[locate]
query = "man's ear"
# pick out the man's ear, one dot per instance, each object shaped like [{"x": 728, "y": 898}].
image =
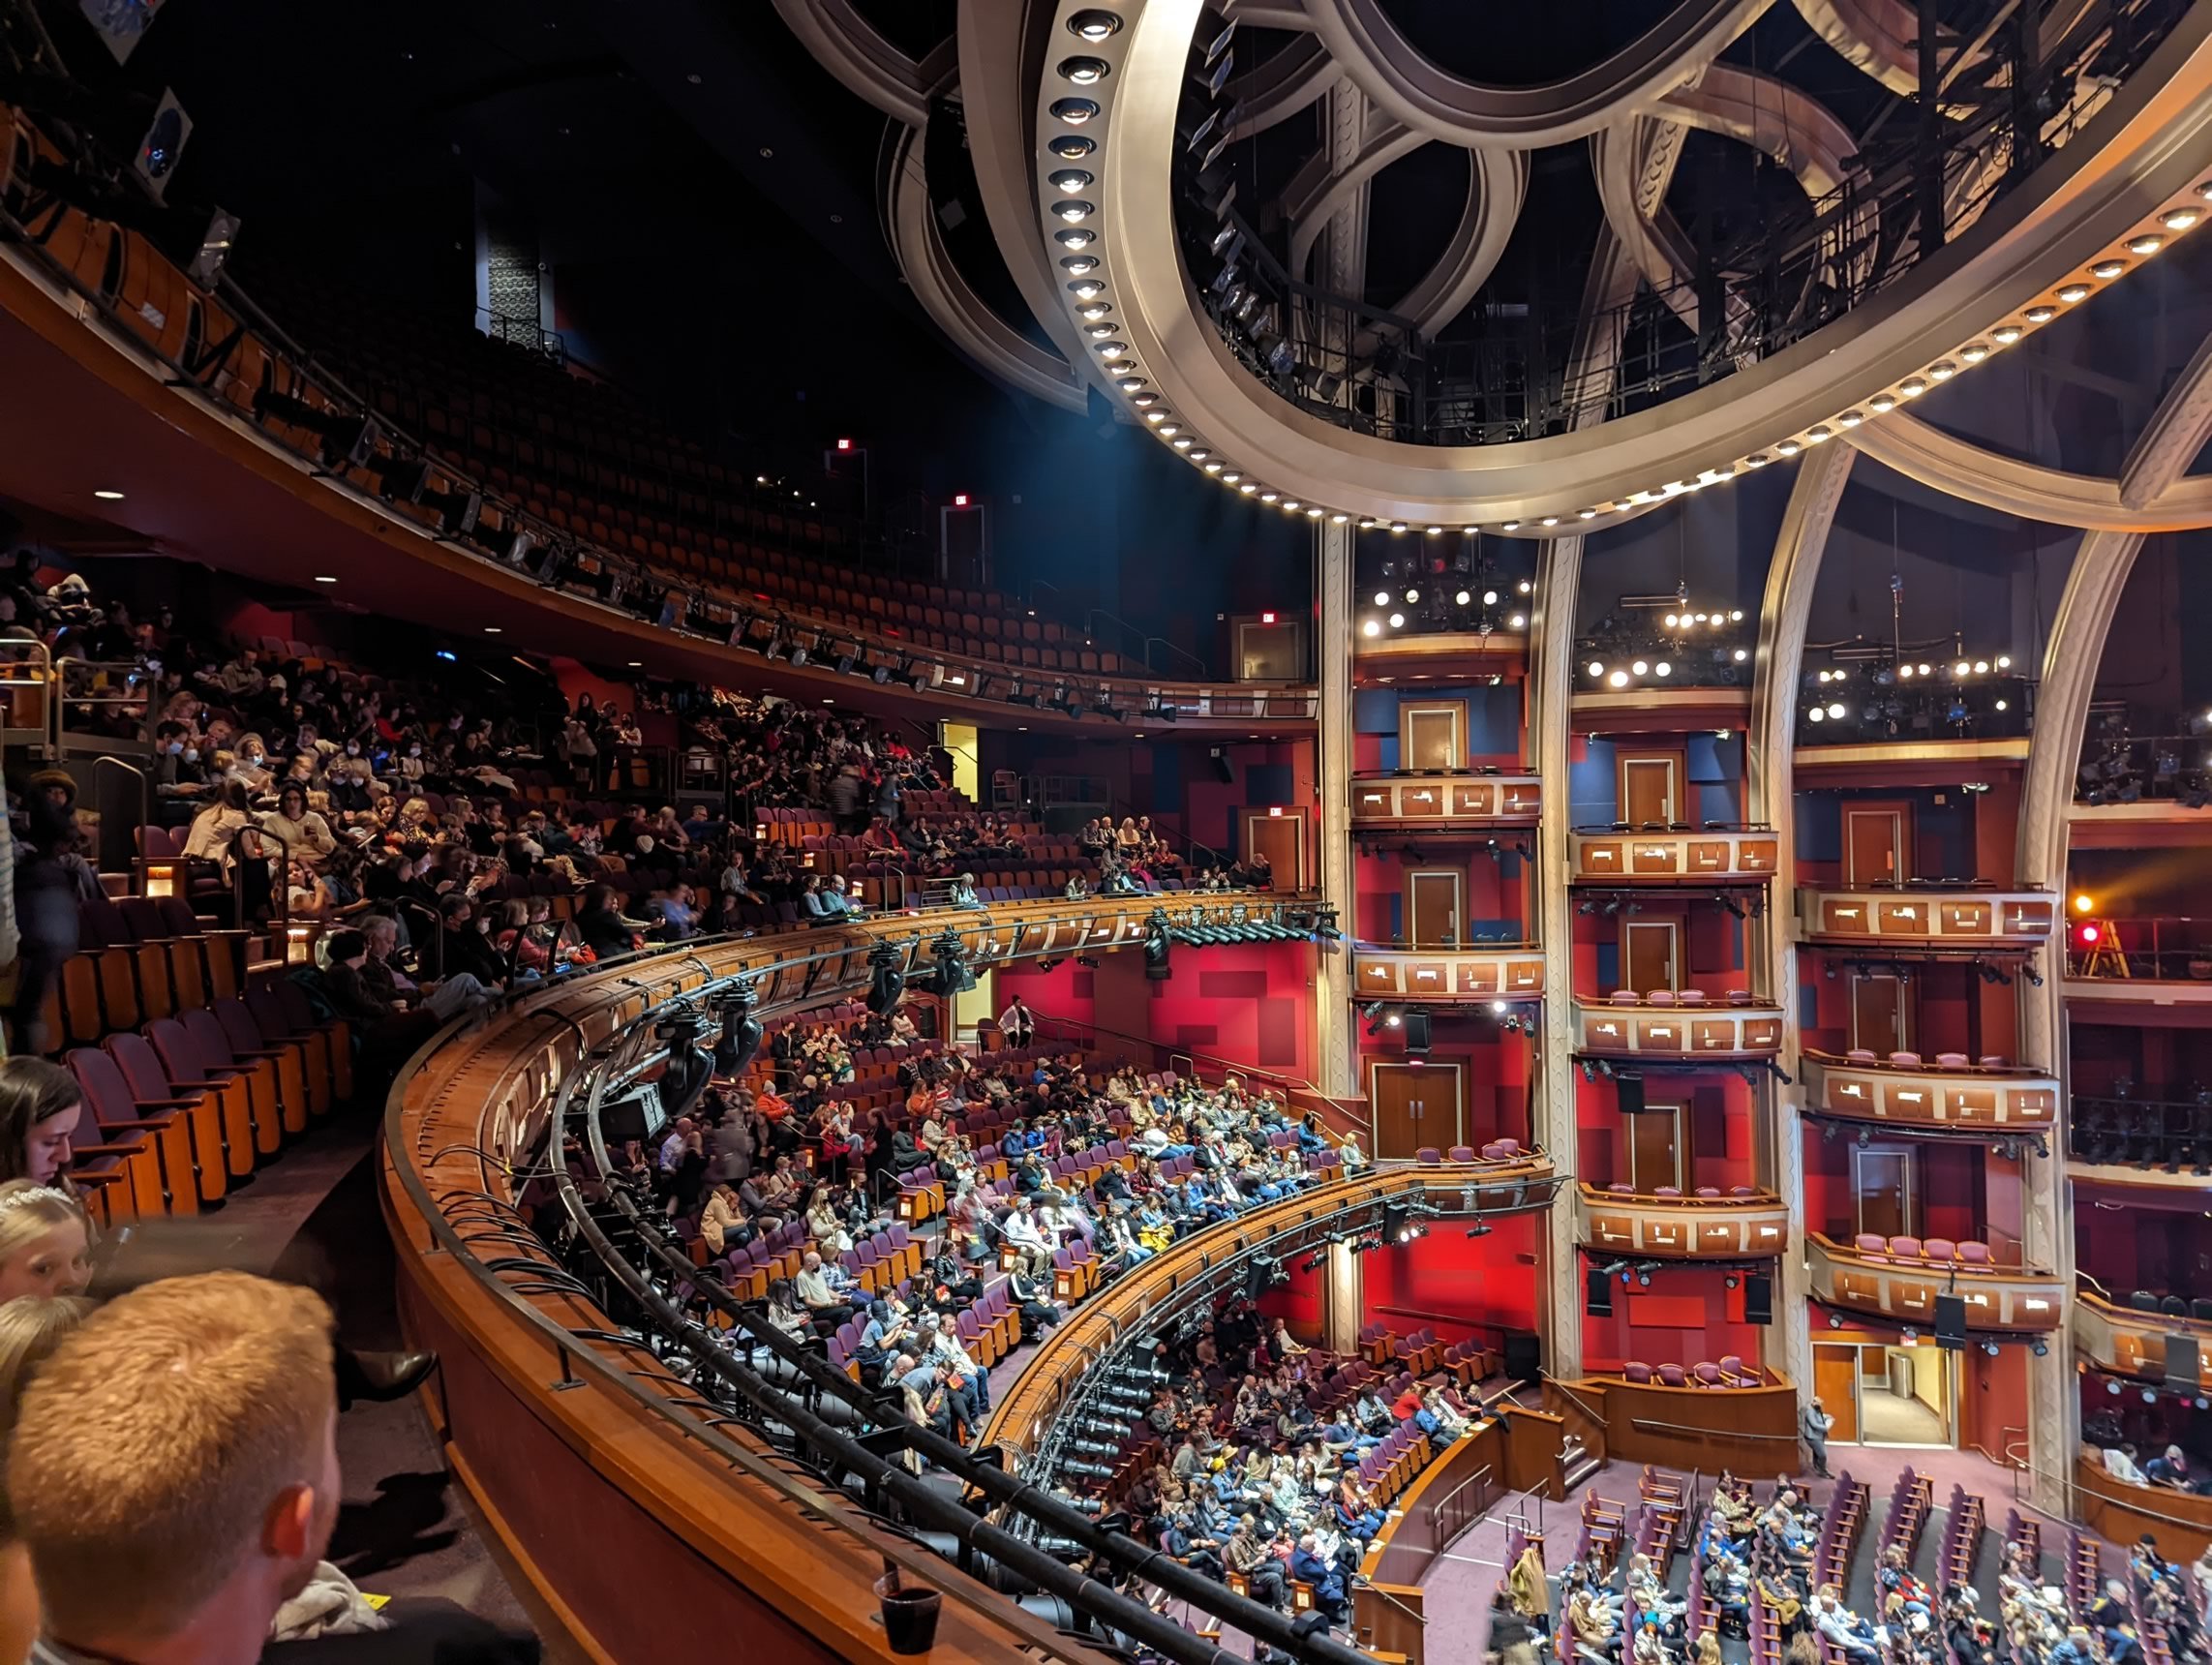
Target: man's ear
[{"x": 290, "y": 1527}]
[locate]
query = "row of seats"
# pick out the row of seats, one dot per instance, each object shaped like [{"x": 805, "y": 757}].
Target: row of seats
[
  {"x": 2171, "y": 1306},
  {"x": 1674, "y": 1192},
  {"x": 1941, "y": 1061},
  {"x": 1677, "y": 997},
  {"x": 1729, "y": 1372},
  {"x": 194, "y": 1102},
  {"x": 1496, "y": 1150},
  {"x": 1939, "y": 1251}
]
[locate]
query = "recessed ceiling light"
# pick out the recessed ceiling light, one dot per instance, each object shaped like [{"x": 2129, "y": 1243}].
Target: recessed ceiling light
[
  {"x": 2108, "y": 268},
  {"x": 1093, "y": 25},
  {"x": 1975, "y": 352},
  {"x": 491, "y": 630},
  {"x": 2042, "y": 313},
  {"x": 325, "y": 578},
  {"x": 1086, "y": 71},
  {"x": 108, "y": 497},
  {"x": 1912, "y": 387},
  {"x": 1882, "y": 404},
  {"x": 1071, "y": 180},
  {"x": 2178, "y": 219},
  {"x": 2004, "y": 334},
  {"x": 1789, "y": 447},
  {"x": 1070, "y": 145},
  {"x": 635, "y": 664},
  {"x": 1943, "y": 369},
  {"x": 2073, "y": 292}
]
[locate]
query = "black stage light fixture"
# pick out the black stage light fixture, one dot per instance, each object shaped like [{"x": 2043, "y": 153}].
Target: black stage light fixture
[
  {"x": 1157, "y": 941},
  {"x": 887, "y": 982},
  {"x": 954, "y": 975},
  {"x": 348, "y": 438},
  {"x": 740, "y": 1036}
]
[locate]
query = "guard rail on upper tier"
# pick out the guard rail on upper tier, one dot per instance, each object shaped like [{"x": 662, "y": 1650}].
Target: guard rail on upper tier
[{"x": 542, "y": 1397}]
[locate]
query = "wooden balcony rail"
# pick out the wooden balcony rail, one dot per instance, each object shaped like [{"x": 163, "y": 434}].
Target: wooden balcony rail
[
  {"x": 1615, "y": 1219},
  {"x": 1514, "y": 972},
  {"x": 1680, "y": 856},
  {"x": 1947, "y": 1093},
  {"x": 1729, "y": 1029},
  {"x": 1445, "y": 797},
  {"x": 1098, "y": 1327},
  {"x": 1903, "y": 1287},
  {"x": 1940, "y": 918},
  {"x": 540, "y": 1388},
  {"x": 2123, "y": 1340}
]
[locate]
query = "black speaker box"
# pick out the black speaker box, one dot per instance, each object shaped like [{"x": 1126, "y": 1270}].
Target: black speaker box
[
  {"x": 1522, "y": 1356},
  {"x": 1758, "y": 1299},
  {"x": 1223, "y": 767},
  {"x": 1950, "y": 1322},
  {"x": 1631, "y": 1091},
  {"x": 1416, "y": 1029},
  {"x": 1597, "y": 1302}
]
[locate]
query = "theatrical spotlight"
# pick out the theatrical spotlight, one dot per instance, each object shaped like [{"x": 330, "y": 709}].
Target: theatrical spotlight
[
  {"x": 345, "y": 439},
  {"x": 1158, "y": 939},
  {"x": 741, "y": 1035},
  {"x": 886, "y": 980},
  {"x": 953, "y": 975}
]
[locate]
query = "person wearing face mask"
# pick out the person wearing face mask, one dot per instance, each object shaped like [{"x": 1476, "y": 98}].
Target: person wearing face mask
[
  {"x": 178, "y": 777},
  {"x": 250, "y": 764}
]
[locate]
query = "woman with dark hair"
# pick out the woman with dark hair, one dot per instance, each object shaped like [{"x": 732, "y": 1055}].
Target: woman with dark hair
[{"x": 40, "y": 1107}]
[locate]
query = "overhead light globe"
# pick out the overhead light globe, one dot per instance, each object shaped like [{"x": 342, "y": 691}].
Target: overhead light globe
[
  {"x": 1597, "y": 667},
  {"x": 1619, "y": 680}
]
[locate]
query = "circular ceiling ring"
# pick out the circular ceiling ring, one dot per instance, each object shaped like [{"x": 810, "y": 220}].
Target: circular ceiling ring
[{"x": 1368, "y": 46}]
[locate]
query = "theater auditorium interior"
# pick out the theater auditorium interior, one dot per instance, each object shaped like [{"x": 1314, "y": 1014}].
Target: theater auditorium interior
[{"x": 1180, "y": 830}]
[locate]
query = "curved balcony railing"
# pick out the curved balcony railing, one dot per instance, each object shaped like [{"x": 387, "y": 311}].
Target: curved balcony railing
[
  {"x": 2130, "y": 1340},
  {"x": 216, "y": 350},
  {"x": 1672, "y": 1028},
  {"x": 542, "y": 1385},
  {"x": 1905, "y": 1092},
  {"x": 1069, "y": 1366},
  {"x": 1797, "y": 267},
  {"x": 1941, "y": 918},
  {"x": 1746, "y": 1223},
  {"x": 1903, "y": 1287},
  {"x": 1410, "y": 800},
  {"x": 1513, "y": 972},
  {"x": 1703, "y": 857}
]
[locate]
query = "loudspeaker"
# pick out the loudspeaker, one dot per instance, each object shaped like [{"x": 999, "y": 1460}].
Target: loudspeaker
[
  {"x": 2184, "y": 1364},
  {"x": 1950, "y": 1322},
  {"x": 1758, "y": 1299},
  {"x": 1523, "y": 1355},
  {"x": 1223, "y": 767},
  {"x": 1597, "y": 1301},
  {"x": 1416, "y": 1030},
  {"x": 1630, "y": 1089}
]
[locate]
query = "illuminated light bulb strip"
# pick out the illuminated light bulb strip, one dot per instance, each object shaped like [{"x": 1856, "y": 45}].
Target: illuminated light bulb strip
[{"x": 1075, "y": 121}]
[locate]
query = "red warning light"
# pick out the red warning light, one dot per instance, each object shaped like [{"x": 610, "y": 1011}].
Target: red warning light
[{"x": 2090, "y": 935}]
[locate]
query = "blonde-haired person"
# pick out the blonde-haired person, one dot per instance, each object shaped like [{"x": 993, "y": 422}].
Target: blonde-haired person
[
  {"x": 30, "y": 1330},
  {"x": 46, "y": 1242},
  {"x": 188, "y": 1431}
]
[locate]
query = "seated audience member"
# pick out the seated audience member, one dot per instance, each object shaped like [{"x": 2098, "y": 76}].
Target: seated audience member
[{"x": 187, "y": 1431}]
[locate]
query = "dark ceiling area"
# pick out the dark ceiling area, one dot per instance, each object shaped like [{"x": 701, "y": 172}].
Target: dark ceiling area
[{"x": 706, "y": 201}]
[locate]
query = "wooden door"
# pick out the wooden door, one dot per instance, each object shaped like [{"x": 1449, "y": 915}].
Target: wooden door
[
  {"x": 1650, "y": 787},
  {"x": 1654, "y": 1147},
  {"x": 1432, "y": 737},
  {"x": 1836, "y": 1384},
  {"x": 1650, "y": 954},
  {"x": 1874, "y": 847},
  {"x": 1415, "y": 1104},
  {"x": 1883, "y": 1190},
  {"x": 1435, "y": 909},
  {"x": 1878, "y": 1017},
  {"x": 1283, "y": 838}
]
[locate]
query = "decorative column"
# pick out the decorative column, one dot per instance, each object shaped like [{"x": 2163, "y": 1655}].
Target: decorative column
[
  {"x": 1336, "y": 1055},
  {"x": 2178, "y": 431},
  {"x": 1341, "y": 1299},
  {"x": 1769, "y": 784},
  {"x": 1551, "y": 1094}
]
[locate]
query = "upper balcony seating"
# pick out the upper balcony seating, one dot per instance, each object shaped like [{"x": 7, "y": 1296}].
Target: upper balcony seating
[
  {"x": 1933, "y": 1250},
  {"x": 580, "y": 455},
  {"x": 1729, "y": 1372}
]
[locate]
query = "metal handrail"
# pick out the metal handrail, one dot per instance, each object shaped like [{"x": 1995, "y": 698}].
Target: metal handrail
[
  {"x": 1648, "y": 1425},
  {"x": 1437, "y": 1508},
  {"x": 1572, "y": 1397},
  {"x": 1366, "y": 1584},
  {"x": 108, "y": 760},
  {"x": 730, "y": 618},
  {"x": 948, "y": 1513}
]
